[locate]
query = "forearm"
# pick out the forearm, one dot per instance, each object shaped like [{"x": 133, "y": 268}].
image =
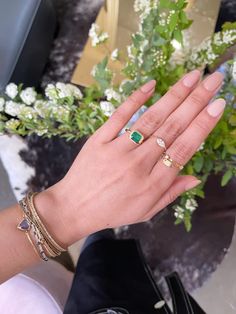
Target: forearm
[{"x": 16, "y": 251}]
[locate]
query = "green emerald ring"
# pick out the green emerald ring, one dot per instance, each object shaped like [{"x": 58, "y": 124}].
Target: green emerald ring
[{"x": 135, "y": 136}]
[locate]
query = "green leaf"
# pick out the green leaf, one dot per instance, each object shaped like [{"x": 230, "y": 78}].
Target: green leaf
[
  {"x": 208, "y": 165},
  {"x": 173, "y": 21},
  {"x": 167, "y": 4},
  {"x": 187, "y": 223},
  {"x": 178, "y": 36},
  {"x": 218, "y": 142},
  {"x": 232, "y": 120},
  {"x": 198, "y": 163},
  {"x": 189, "y": 169},
  {"x": 229, "y": 25},
  {"x": 181, "y": 4},
  {"x": 226, "y": 177},
  {"x": 231, "y": 149}
]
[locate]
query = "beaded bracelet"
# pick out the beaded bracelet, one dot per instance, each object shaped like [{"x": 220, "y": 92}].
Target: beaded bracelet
[{"x": 37, "y": 234}]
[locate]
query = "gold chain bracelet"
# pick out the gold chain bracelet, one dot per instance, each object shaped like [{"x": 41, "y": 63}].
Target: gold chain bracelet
[{"x": 36, "y": 232}]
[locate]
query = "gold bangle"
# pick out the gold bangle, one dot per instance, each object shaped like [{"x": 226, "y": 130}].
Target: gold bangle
[
  {"x": 50, "y": 249},
  {"x": 53, "y": 244},
  {"x": 32, "y": 244}
]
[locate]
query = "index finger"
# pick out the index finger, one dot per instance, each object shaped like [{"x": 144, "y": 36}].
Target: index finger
[{"x": 125, "y": 111}]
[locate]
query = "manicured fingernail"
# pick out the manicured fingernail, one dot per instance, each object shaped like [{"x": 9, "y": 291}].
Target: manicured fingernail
[
  {"x": 191, "y": 78},
  {"x": 192, "y": 184},
  {"x": 213, "y": 81},
  {"x": 216, "y": 107},
  {"x": 148, "y": 87}
]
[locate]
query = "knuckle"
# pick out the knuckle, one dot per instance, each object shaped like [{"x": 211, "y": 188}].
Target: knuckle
[
  {"x": 176, "y": 94},
  {"x": 149, "y": 121},
  {"x": 202, "y": 125},
  {"x": 173, "y": 128},
  {"x": 181, "y": 152},
  {"x": 133, "y": 99},
  {"x": 196, "y": 99},
  {"x": 119, "y": 115}
]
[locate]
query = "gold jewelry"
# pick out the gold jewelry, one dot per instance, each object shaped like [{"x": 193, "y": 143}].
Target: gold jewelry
[
  {"x": 54, "y": 246},
  {"x": 27, "y": 226},
  {"x": 135, "y": 136},
  {"x": 36, "y": 232},
  {"x": 169, "y": 162}
]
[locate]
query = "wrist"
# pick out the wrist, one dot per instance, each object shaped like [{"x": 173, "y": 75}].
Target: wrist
[{"x": 65, "y": 224}]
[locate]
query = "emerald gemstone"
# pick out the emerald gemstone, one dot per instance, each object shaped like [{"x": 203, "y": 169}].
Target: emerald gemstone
[{"x": 136, "y": 137}]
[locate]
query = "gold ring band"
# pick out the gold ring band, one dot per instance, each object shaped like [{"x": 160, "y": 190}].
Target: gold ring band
[{"x": 169, "y": 162}]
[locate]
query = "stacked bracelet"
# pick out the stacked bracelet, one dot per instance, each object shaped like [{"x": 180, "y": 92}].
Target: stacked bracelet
[{"x": 37, "y": 234}]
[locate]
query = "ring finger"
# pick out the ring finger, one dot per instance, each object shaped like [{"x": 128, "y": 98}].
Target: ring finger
[{"x": 187, "y": 143}]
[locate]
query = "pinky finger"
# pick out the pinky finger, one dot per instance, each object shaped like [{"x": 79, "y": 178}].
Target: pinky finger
[{"x": 179, "y": 186}]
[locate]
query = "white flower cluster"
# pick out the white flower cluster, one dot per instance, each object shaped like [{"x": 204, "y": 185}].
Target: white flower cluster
[
  {"x": 96, "y": 35},
  {"x": 19, "y": 110},
  {"x": 159, "y": 58},
  {"x": 179, "y": 212},
  {"x": 144, "y": 7},
  {"x": 205, "y": 53},
  {"x": 111, "y": 94},
  {"x": 190, "y": 205},
  {"x": 28, "y": 96},
  {"x": 12, "y": 124},
  {"x": 11, "y": 90},
  {"x": 24, "y": 105},
  {"x": 107, "y": 108},
  {"x": 61, "y": 90}
]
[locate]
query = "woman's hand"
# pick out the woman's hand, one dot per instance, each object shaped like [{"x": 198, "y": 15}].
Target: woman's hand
[{"x": 114, "y": 181}]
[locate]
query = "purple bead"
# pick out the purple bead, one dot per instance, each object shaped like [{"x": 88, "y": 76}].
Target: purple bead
[{"x": 24, "y": 225}]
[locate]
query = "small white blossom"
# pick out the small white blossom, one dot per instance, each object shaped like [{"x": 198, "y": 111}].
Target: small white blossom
[
  {"x": 112, "y": 94},
  {"x": 115, "y": 54},
  {"x": 28, "y": 96},
  {"x": 107, "y": 108},
  {"x": 191, "y": 204},
  {"x": 63, "y": 90},
  {"x": 74, "y": 91},
  {"x": 42, "y": 108},
  {"x": 96, "y": 35},
  {"x": 51, "y": 92},
  {"x": 12, "y": 124},
  {"x": 201, "y": 147},
  {"x": 11, "y": 90},
  {"x": 26, "y": 112},
  {"x": 144, "y": 7},
  {"x": 2, "y": 102},
  {"x": 59, "y": 112},
  {"x": 12, "y": 108},
  {"x": 179, "y": 212}
]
